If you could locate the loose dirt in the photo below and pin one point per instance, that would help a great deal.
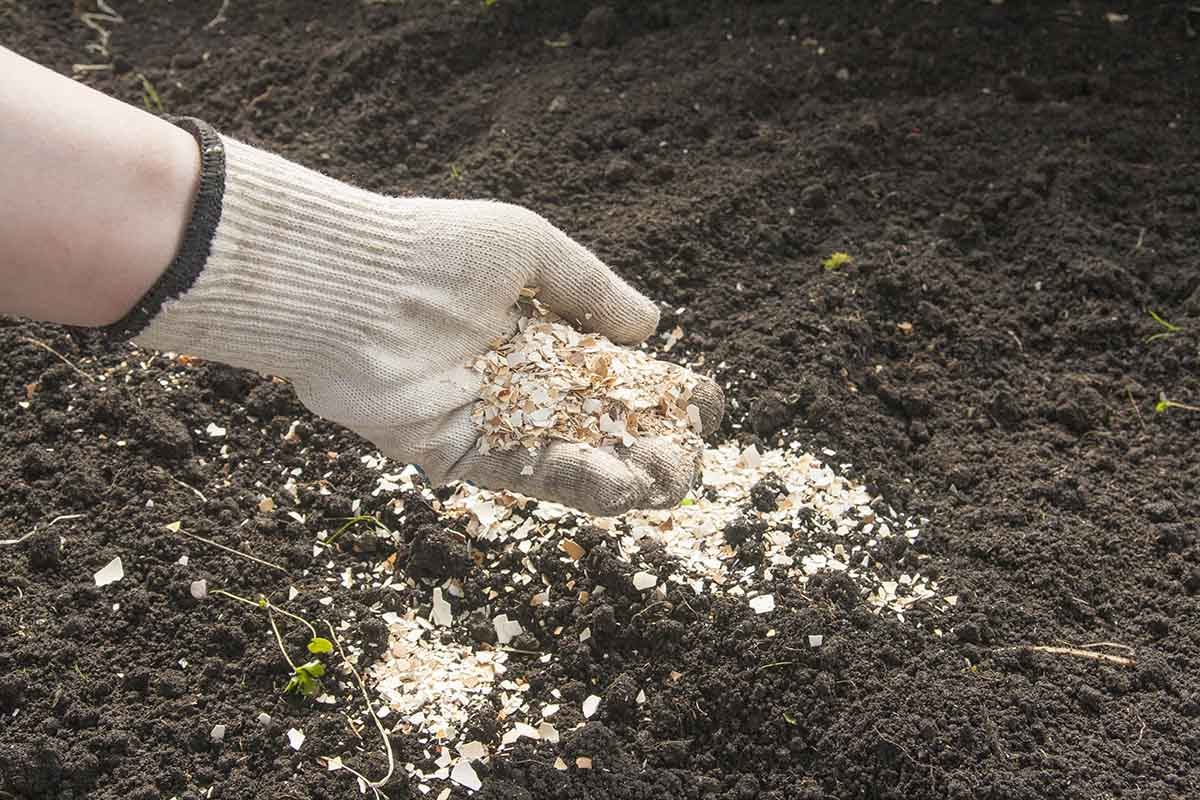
(1017, 185)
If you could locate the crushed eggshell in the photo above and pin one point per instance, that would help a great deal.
(644, 580)
(551, 382)
(441, 615)
(590, 705)
(763, 604)
(572, 548)
(506, 629)
(819, 523)
(464, 775)
(473, 750)
(295, 738)
(548, 732)
(111, 572)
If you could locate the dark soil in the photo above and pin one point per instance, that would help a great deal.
(1018, 184)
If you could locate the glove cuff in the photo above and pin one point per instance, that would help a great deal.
(198, 236)
(293, 269)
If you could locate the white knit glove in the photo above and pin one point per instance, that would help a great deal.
(376, 307)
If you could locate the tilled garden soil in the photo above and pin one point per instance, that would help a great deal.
(1017, 184)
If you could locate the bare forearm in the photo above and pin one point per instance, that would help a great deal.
(96, 195)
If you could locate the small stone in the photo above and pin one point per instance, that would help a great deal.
(185, 60)
(44, 551)
(814, 196)
(619, 171)
(1023, 89)
(598, 27)
(765, 494)
(770, 414)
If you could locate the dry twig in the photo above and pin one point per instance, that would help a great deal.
(20, 539)
(1077, 652)
(235, 552)
(58, 355)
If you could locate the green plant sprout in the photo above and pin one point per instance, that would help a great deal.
(351, 522)
(455, 173)
(306, 678)
(837, 261)
(1169, 329)
(150, 98)
(1164, 404)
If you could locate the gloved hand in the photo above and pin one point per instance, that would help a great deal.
(376, 307)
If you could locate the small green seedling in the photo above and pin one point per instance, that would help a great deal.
(351, 522)
(1168, 331)
(837, 261)
(150, 98)
(455, 172)
(305, 677)
(1164, 404)
(489, 3)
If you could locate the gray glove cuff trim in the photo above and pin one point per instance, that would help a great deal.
(189, 262)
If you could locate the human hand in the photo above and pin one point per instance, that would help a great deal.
(376, 307)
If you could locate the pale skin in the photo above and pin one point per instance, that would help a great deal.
(97, 195)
